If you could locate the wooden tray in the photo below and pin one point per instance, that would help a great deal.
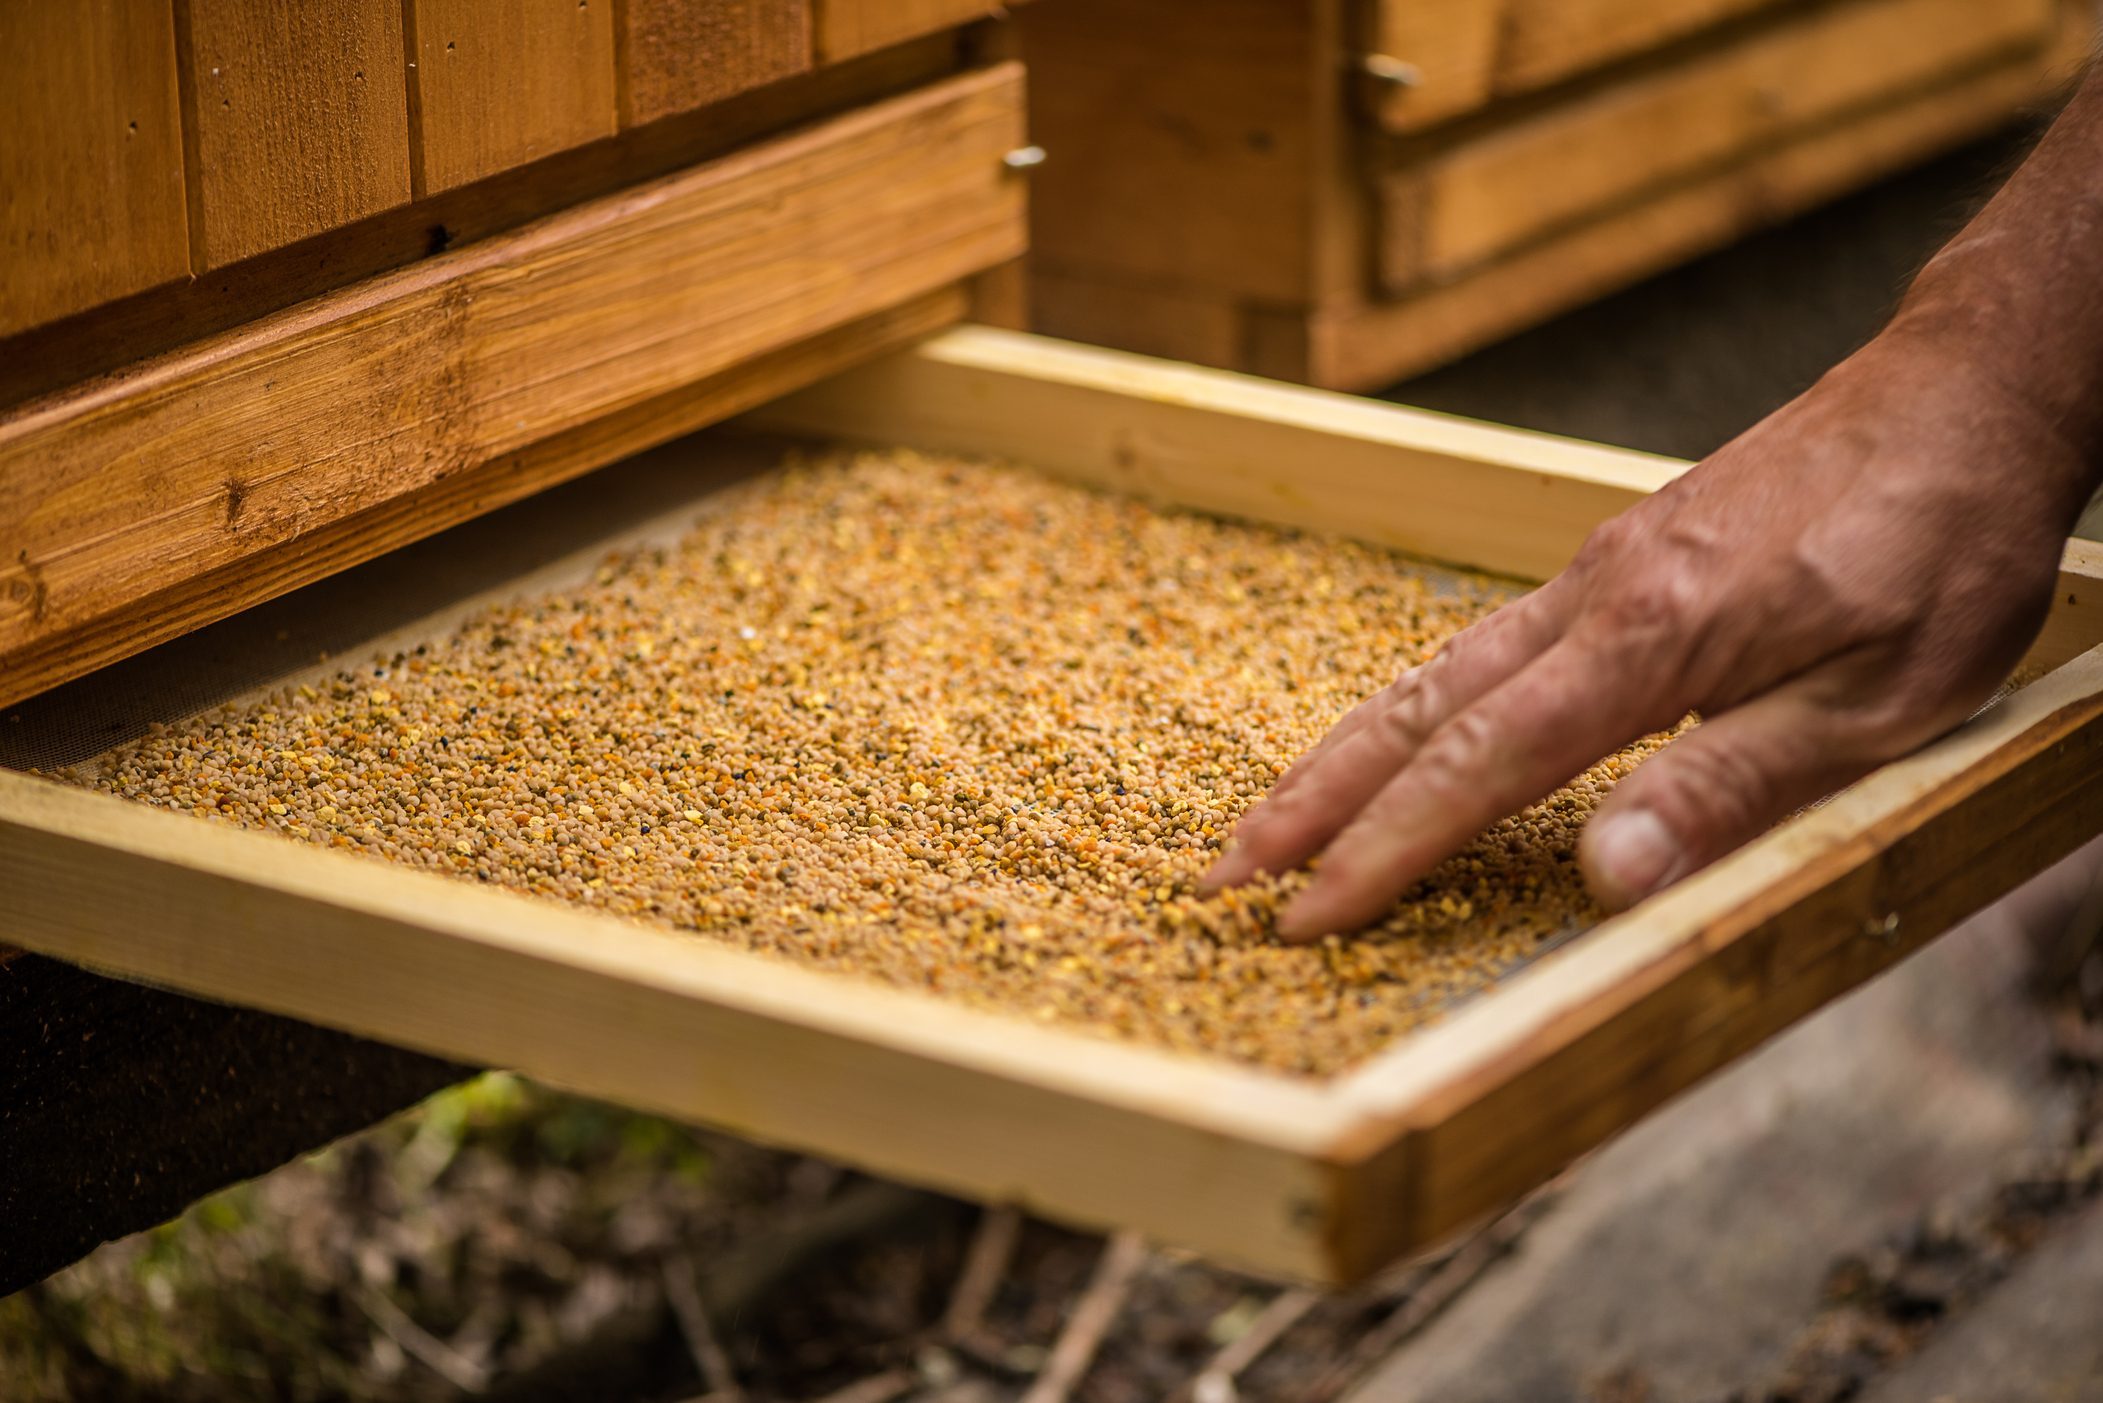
(1322, 1179)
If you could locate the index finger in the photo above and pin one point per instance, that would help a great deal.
(1327, 787)
(1575, 703)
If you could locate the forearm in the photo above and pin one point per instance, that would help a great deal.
(2017, 297)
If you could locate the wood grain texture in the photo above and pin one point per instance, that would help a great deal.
(1450, 48)
(1200, 174)
(845, 28)
(1144, 317)
(297, 120)
(58, 356)
(1469, 52)
(1448, 212)
(1545, 40)
(1378, 342)
(498, 83)
(227, 457)
(677, 55)
(1325, 1179)
(91, 164)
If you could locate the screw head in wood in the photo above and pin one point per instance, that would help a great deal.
(1389, 69)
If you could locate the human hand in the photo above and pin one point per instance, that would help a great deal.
(1847, 580)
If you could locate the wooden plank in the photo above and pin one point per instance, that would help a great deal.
(498, 83)
(849, 27)
(296, 120)
(91, 172)
(1495, 499)
(1448, 53)
(58, 356)
(1379, 342)
(2076, 622)
(1446, 213)
(677, 55)
(1145, 318)
(900, 1082)
(224, 460)
(1001, 296)
(1545, 40)
(1464, 53)
(1187, 142)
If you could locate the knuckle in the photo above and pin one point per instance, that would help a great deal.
(1606, 542)
(1401, 729)
(1451, 767)
(1652, 605)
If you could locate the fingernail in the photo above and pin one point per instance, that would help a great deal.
(1631, 856)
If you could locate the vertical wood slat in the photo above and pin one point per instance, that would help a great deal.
(849, 27)
(91, 168)
(677, 55)
(298, 119)
(499, 83)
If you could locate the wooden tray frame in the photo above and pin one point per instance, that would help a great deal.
(1326, 1180)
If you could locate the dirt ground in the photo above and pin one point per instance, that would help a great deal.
(504, 1241)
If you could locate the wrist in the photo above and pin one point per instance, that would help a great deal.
(1961, 355)
(2017, 327)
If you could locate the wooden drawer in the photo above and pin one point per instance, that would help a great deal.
(1324, 1178)
(1242, 206)
(1444, 212)
(1429, 60)
(139, 506)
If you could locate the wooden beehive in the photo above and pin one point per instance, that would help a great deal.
(1350, 191)
(284, 286)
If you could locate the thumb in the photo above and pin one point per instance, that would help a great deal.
(1720, 785)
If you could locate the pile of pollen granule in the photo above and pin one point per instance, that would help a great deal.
(948, 725)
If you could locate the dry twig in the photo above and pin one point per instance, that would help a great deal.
(1441, 1286)
(709, 1355)
(1092, 1318)
(1215, 1382)
(420, 1344)
(877, 1388)
(985, 1264)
